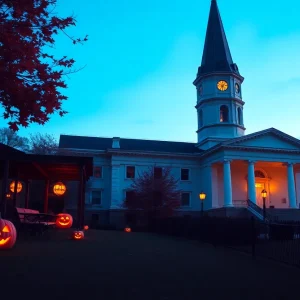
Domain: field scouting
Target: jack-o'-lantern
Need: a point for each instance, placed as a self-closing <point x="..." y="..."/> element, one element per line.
<point x="12" y="187"/>
<point x="64" y="221"/>
<point x="78" y="235"/>
<point x="127" y="229"/>
<point x="86" y="227"/>
<point x="59" y="189"/>
<point x="8" y="234"/>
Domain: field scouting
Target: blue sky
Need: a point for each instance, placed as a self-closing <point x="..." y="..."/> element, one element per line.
<point x="142" y="57"/>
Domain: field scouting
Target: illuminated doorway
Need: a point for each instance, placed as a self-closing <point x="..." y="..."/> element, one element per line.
<point x="261" y="183"/>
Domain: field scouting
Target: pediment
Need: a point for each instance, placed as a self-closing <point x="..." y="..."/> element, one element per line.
<point x="269" y="138"/>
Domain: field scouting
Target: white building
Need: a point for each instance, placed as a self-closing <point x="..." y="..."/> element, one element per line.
<point x="227" y="165"/>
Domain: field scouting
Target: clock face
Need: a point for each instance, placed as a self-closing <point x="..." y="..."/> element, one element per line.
<point x="237" y="88"/>
<point x="222" y="85"/>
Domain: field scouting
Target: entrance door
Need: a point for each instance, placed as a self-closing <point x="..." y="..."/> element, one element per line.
<point x="259" y="187"/>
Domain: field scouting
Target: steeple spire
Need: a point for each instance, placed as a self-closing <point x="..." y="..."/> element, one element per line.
<point x="216" y="54"/>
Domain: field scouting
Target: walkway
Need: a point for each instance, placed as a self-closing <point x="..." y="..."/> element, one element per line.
<point x="135" y="266"/>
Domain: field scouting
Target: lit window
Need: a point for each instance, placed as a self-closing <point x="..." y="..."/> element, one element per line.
<point x="130" y="172"/>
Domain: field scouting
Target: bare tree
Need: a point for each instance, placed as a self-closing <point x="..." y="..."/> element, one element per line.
<point x="156" y="195"/>
<point x="12" y="139"/>
<point x="43" y="144"/>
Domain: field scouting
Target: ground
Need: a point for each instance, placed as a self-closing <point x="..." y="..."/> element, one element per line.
<point x="117" y="265"/>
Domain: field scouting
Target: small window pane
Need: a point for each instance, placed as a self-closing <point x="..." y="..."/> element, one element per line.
<point x="98" y="172"/>
<point x="185" y="174"/>
<point x="130" y="172"/>
<point x="157" y="173"/>
<point x="96" y="197"/>
<point x="185" y="199"/>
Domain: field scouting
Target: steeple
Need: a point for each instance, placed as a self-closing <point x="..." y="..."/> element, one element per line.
<point x="216" y="54"/>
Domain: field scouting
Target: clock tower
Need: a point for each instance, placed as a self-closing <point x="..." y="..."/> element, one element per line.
<point x="218" y="83"/>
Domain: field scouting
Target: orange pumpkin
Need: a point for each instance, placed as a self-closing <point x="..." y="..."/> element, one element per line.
<point x="64" y="221"/>
<point x="59" y="189"/>
<point x="8" y="234"/>
<point x="78" y="235"/>
<point x="127" y="229"/>
<point x="12" y="187"/>
<point x="86" y="227"/>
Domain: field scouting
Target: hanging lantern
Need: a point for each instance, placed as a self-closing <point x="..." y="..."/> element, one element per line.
<point x="12" y="187"/>
<point x="59" y="189"/>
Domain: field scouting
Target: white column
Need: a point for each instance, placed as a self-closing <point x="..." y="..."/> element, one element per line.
<point x="291" y="186"/>
<point x="251" y="182"/>
<point x="227" y="184"/>
<point x="116" y="200"/>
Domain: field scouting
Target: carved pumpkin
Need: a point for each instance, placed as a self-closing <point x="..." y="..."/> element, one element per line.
<point x="12" y="187"/>
<point x="64" y="221"/>
<point x="8" y="234"/>
<point x="78" y="235"/>
<point x="86" y="227"/>
<point x="59" y="189"/>
<point x="127" y="229"/>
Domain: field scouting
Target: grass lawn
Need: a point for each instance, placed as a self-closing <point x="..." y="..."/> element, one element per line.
<point x="117" y="265"/>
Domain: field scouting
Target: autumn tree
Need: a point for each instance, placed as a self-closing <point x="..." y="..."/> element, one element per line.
<point x="11" y="138"/>
<point x="32" y="78"/>
<point x="43" y="144"/>
<point x="154" y="192"/>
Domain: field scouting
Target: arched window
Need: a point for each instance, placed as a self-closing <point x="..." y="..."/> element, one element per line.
<point x="259" y="174"/>
<point x="240" y="116"/>
<point x="224" y="113"/>
<point x="200" y="118"/>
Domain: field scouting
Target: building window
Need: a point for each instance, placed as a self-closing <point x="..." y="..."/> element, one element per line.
<point x="185" y="199"/>
<point x="185" y="174"/>
<point x="130" y="172"/>
<point x="224" y="113"/>
<point x="96" y="197"/>
<point x="129" y="195"/>
<point x="97" y="172"/>
<point x="259" y="174"/>
<point x="158" y="172"/>
<point x="240" y="116"/>
<point x="200" y="118"/>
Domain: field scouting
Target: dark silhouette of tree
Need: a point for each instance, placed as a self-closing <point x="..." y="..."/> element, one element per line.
<point x="158" y="196"/>
<point x="12" y="139"/>
<point x="31" y="77"/>
<point x="43" y="144"/>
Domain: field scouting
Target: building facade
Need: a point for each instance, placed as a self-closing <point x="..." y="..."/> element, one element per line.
<point x="229" y="166"/>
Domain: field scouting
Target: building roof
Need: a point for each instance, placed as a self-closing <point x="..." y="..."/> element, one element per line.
<point x="216" y="54"/>
<point x="102" y="144"/>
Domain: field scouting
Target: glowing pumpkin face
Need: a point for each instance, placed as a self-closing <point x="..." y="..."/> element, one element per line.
<point x="78" y="235"/>
<point x="12" y="187"/>
<point x="64" y="221"/>
<point x="8" y="234"/>
<point x="59" y="189"/>
<point x="127" y="229"/>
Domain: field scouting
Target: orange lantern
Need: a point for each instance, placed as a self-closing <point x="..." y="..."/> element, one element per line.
<point x="12" y="187"/>
<point x="8" y="234"/>
<point x="64" y="221"/>
<point x="127" y="229"/>
<point x="59" y="189"/>
<point x="86" y="227"/>
<point x="78" y="235"/>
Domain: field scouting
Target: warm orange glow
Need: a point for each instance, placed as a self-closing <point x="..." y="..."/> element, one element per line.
<point x="78" y="235"/>
<point x="202" y="196"/>
<point x="64" y="221"/>
<point x="259" y="185"/>
<point x="264" y="193"/>
<point x="59" y="189"/>
<point x="222" y="85"/>
<point x="8" y="234"/>
<point x="8" y="195"/>
<point x="12" y="187"/>
<point x="127" y="229"/>
<point x="86" y="227"/>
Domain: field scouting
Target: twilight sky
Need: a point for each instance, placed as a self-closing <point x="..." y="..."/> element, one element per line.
<point x="142" y="57"/>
